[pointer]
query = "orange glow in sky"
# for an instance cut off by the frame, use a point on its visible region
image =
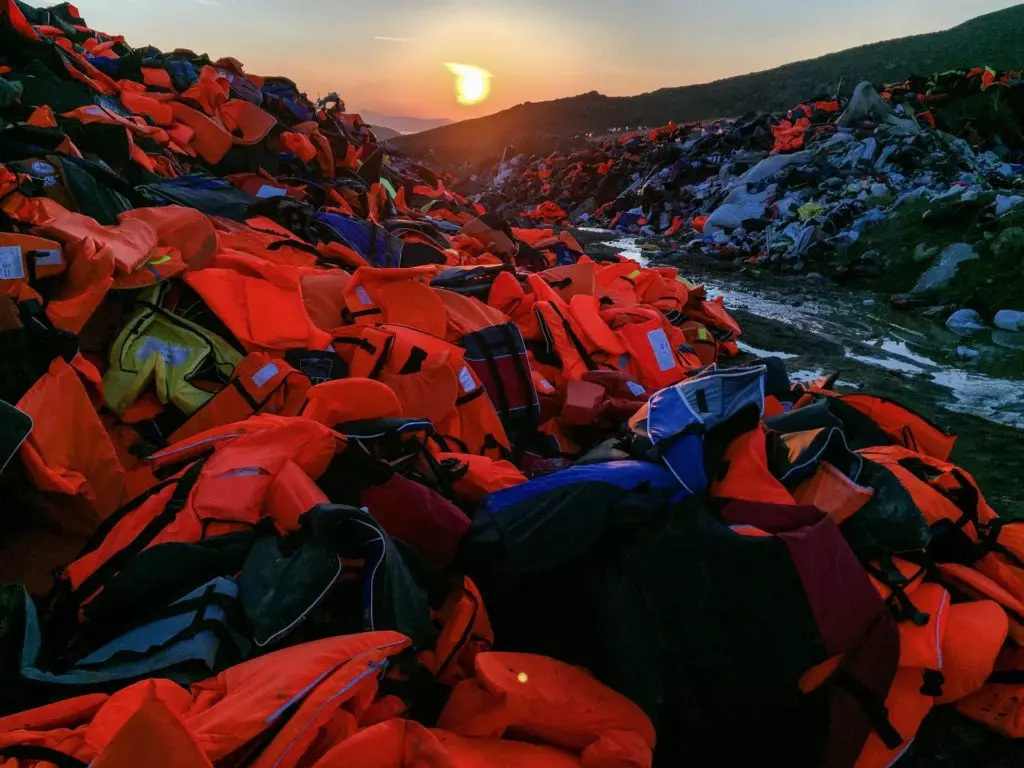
(472, 84)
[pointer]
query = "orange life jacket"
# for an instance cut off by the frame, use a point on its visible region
(259, 384)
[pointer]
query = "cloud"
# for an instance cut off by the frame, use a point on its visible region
(208, 2)
(388, 39)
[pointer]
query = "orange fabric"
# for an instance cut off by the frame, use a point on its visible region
(185, 229)
(587, 312)
(142, 104)
(157, 77)
(71, 454)
(153, 736)
(490, 753)
(906, 428)
(131, 242)
(299, 145)
(401, 296)
(921, 646)
(477, 476)
(979, 587)
(83, 286)
(210, 92)
(975, 632)
(833, 493)
(430, 393)
(46, 256)
(211, 139)
(42, 117)
(345, 400)
(747, 477)
(465, 633)
(392, 744)
(247, 123)
(1000, 706)
(907, 708)
(545, 700)
(273, 385)
(466, 315)
(323, 296)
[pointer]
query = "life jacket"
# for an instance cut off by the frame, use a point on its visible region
(186, 229)
(185, 641)
(672, 426)
(743, 473)
(701, 341)
(211, 140)
(656, 349)
(175, 355)
(548, 700)
(467, 421)
(472, 477)
(998, 704)
(131, 242)
(258, 384)
(467, 315)
(268, 474)
(904, 427)
(401, 296)
(565, 345)
(25, 260)
(498, 357)
(86, 466)
(241, 302)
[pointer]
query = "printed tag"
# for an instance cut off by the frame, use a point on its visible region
(268, 191)
(662, 349)
(635, 388)
(43, 169)
(11, 265)
(264, 374)
(51, 257)
(172, 354)
(364, 297)
(466, 380)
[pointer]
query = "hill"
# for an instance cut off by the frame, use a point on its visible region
(384, 134)
(992, 40)
(403, 124)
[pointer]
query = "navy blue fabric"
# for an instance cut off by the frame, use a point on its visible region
(176, 646)
(375, 244)
(625, 475)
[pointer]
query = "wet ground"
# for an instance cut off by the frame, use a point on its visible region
(818, 327)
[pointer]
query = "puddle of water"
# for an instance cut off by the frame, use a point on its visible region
(628, 247)
(744, 347)
(993, 399)
(900, 349)
(889, 363)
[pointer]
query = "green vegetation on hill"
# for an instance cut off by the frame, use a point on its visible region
(993, 40)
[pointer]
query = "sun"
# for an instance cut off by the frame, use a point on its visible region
(472, 84)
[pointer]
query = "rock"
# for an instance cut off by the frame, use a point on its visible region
(925, 252)
(1009, 320)
(940, 274)
(966, 353)
(965, 321)
(869, 302)
(1009, 244)
(814, 276)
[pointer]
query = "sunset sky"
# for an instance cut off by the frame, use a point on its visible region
(390, 57)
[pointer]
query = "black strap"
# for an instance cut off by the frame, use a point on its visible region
(702, 400)
(414, 363)
(43, 754)
(478, 392)
(296, 244)
(366, 312)
(382, 360)
(897, 583)
(932, 683)
(871, 705)
(249, 399)
(492, 366)
(577, 344)
(358, 341)
(1007, 677)
(153, 528)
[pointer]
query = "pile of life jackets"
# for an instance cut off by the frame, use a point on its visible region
(306, 461)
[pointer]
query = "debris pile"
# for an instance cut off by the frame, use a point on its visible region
(786, 189)
(306, 460)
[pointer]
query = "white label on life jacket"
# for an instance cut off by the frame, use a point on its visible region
(51, 257)
(635, 388)
(172, 354)
(546, 385)
(662, 349)
(268, 191)
(466, 380)
(364, 297)
(264, 374)
(11, 265)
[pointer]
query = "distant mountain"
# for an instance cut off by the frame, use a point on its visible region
(384, 134)
(404, 124)
(991, 40)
